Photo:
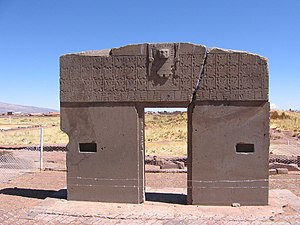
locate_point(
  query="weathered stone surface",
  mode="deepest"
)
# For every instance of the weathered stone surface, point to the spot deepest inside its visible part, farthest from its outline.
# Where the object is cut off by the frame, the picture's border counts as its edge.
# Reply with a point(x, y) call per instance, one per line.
point(234, 76)
point(138, 73)
point(218, 175)
point(113, 173)
point(134, 73)
point(103, 94)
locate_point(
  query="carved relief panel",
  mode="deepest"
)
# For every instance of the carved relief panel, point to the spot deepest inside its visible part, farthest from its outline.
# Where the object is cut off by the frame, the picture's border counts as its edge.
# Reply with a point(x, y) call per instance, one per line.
point(162, 66)
point(163, 72)
point(234, 76)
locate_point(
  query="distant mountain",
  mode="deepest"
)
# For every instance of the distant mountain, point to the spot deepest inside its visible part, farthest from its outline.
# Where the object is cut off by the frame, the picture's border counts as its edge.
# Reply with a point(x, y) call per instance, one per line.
point(6, 107)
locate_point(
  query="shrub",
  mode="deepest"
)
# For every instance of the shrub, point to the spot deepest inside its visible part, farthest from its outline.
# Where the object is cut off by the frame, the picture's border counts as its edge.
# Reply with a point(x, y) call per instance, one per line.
point(278, 116)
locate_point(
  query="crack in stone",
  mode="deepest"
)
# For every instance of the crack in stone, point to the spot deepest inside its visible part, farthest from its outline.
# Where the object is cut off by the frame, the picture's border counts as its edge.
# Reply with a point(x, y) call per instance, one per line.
point(201, 76)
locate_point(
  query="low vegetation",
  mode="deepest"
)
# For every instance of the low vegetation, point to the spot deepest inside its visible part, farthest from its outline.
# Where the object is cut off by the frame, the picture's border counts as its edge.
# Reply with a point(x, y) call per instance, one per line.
point(31, 136)
point(165, 134)
point(285, 120)
point(162, 127)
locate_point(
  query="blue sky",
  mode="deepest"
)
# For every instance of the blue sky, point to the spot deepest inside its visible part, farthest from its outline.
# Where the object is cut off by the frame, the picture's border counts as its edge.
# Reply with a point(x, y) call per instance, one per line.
point(35, 33)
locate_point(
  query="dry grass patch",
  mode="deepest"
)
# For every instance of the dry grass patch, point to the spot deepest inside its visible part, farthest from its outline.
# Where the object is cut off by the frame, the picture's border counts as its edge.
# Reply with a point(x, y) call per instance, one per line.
point(52, 132)
point(285, 120)
point(166, 134)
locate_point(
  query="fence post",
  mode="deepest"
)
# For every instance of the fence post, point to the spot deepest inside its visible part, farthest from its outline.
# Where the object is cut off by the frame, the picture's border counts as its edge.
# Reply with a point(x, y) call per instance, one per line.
point(41, 147)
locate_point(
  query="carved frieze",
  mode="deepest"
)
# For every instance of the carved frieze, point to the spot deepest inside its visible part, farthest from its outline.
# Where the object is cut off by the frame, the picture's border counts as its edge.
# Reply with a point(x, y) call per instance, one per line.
point(162, 72)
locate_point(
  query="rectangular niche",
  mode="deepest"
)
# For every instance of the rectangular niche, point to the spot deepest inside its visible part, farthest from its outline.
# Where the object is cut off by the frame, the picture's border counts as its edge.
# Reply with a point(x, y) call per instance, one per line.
point(87, 147)
point(244, 148)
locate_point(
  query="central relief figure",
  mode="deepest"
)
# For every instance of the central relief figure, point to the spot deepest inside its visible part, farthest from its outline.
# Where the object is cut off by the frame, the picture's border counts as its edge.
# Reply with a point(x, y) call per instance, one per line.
point(162, 66)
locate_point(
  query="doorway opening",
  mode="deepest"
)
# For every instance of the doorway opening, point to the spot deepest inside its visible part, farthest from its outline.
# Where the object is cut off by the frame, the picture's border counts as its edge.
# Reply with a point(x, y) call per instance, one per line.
point(165, 138)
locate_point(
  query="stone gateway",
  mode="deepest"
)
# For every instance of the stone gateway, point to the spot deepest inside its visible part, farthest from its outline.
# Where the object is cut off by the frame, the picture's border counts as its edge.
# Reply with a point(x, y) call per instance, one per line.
point(103, 95)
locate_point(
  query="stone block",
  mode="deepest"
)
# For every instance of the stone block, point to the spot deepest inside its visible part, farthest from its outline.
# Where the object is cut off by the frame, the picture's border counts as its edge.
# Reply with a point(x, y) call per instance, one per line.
point(180, 165)
point(105, 159)
point(168, 165)
point(289, 167)
point(282, 170)
point(219, 172)
point(236, 76)
point(171, 70)
point(272, 171)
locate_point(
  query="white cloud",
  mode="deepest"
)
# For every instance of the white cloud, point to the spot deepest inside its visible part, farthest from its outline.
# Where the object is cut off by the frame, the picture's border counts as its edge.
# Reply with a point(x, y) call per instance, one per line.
point(273, 106)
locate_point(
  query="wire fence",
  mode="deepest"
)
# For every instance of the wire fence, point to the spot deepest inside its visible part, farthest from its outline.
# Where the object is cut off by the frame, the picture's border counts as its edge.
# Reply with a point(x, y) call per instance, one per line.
point(16, 160)
point(13, 164)
point(16, 163)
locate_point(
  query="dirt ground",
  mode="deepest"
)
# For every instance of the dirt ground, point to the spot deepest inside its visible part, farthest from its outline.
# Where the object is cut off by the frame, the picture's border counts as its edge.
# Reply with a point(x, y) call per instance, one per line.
point(25, 193)
point(28, 192)
point(30, 189)
point(284, 143)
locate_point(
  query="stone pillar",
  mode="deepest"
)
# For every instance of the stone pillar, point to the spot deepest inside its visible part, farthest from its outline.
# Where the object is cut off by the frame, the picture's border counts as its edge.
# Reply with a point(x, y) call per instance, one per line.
point(228, 154)
point(105, 158)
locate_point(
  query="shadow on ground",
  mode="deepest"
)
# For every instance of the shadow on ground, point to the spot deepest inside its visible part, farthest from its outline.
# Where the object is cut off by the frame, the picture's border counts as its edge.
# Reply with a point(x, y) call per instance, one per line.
point(62, 194)
point(35, 193)
point(166, 197)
